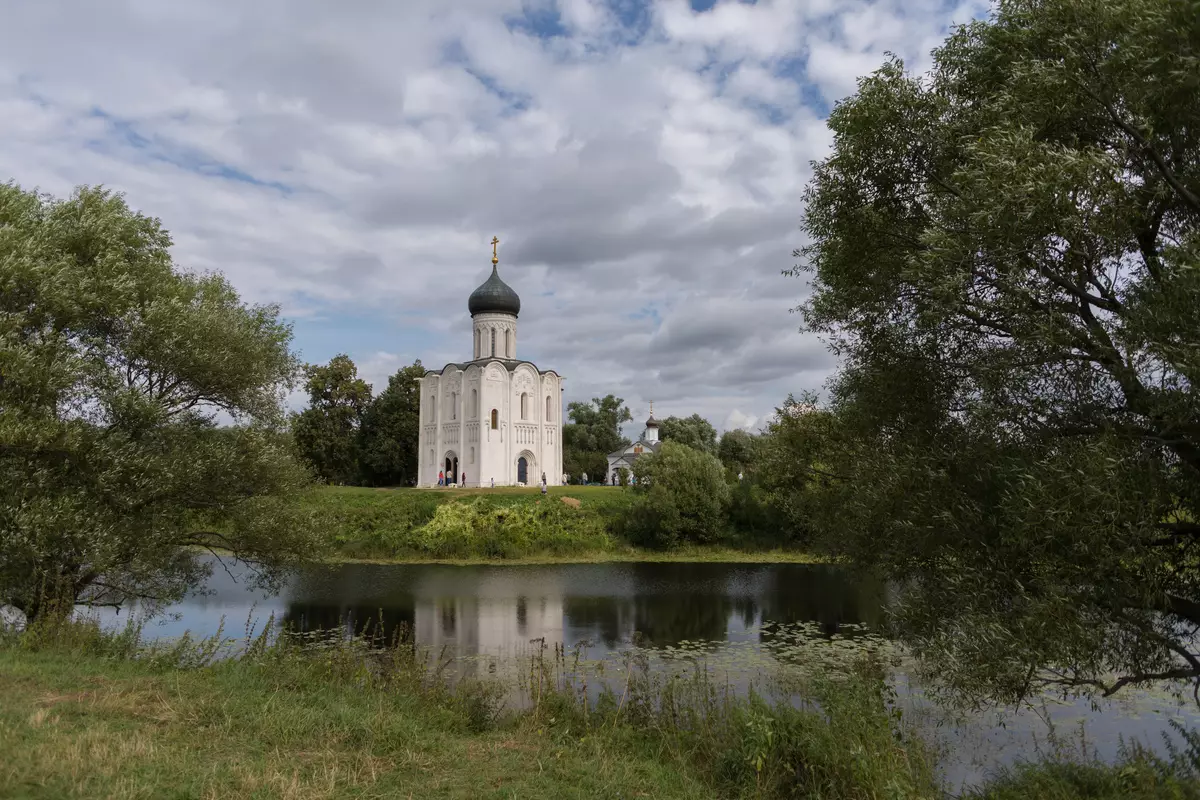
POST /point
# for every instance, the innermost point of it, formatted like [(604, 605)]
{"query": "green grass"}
[(514, 524), (1138, 776), (85, 726), (87, 714)]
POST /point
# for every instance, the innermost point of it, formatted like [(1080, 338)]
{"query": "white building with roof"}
[(647, 443), (495, 418)]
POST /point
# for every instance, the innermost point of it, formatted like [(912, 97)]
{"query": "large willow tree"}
[(114, 475), (1006, 253)]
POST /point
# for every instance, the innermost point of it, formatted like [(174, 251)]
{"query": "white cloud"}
[(739, 420), (643, 166)]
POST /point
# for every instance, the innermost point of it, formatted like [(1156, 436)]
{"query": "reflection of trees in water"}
[(667, 604), (695, 605), (747, 608), (677, 602), (828, 595), (376, 620), (658, 619), (604, 617), (668, 619)]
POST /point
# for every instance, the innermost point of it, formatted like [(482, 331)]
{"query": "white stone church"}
[(648, 442), (495, 419)]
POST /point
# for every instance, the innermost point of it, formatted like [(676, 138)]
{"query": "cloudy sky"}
[(641, 161)]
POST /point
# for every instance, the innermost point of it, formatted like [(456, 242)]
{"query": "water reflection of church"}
[(497, 611), (488, 626)]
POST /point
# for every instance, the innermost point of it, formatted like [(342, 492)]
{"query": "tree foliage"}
[(682, 497), (695, 431), (390, 430), (327, 432), (737, 449), (593, 432), (1005, 254), (788, 466), (112, 368)]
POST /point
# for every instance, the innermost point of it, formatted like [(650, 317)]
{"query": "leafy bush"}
[(370, 522), (478, 529), (752, 515), (681, 497)]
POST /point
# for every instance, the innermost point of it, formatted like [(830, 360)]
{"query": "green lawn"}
[(95, 716), (92, 727), (513, 524)]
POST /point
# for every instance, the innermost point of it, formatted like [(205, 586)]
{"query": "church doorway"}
[(522, 470), (451, 468)]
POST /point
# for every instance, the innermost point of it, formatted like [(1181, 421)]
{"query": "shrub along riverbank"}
[(510, 523), (93, 715)]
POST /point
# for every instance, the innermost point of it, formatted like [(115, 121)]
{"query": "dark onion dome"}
[(494, 296), (652, 422)]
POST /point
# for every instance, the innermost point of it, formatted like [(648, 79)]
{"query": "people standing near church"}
[(441, 478), (464, 480), (585, 479), (493, 483)]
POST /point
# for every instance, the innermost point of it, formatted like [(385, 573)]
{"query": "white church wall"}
[(550, 416), (526, 441), (428, 438), (494, 441), (472, 427), (456, 421), (451, 426)]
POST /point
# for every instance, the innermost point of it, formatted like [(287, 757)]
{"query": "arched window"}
[(472, 455), (524, 406), (548, 411), (508, 348), (431, 457), (453, 405), (493, 342), (474, 404), (495, 419), (477, 343), (432, 407)]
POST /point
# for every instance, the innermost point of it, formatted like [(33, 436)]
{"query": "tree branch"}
[(1078, 291), (1184, 608), (1164, 169)]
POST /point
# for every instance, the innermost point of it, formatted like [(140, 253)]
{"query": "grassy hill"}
[(510, 523)]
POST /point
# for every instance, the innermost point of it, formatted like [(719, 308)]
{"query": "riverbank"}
[(93, 715), (519, 525), (628, 555)]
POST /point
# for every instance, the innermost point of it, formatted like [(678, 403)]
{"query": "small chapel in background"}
[(495, 418), (647, 443)]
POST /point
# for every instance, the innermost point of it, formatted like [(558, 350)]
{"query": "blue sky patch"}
[(124, 132)]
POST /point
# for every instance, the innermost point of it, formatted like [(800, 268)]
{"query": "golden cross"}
[(652, 408), (495, 242)]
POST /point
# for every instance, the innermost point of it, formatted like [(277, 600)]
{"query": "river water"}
[(737, 613)]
